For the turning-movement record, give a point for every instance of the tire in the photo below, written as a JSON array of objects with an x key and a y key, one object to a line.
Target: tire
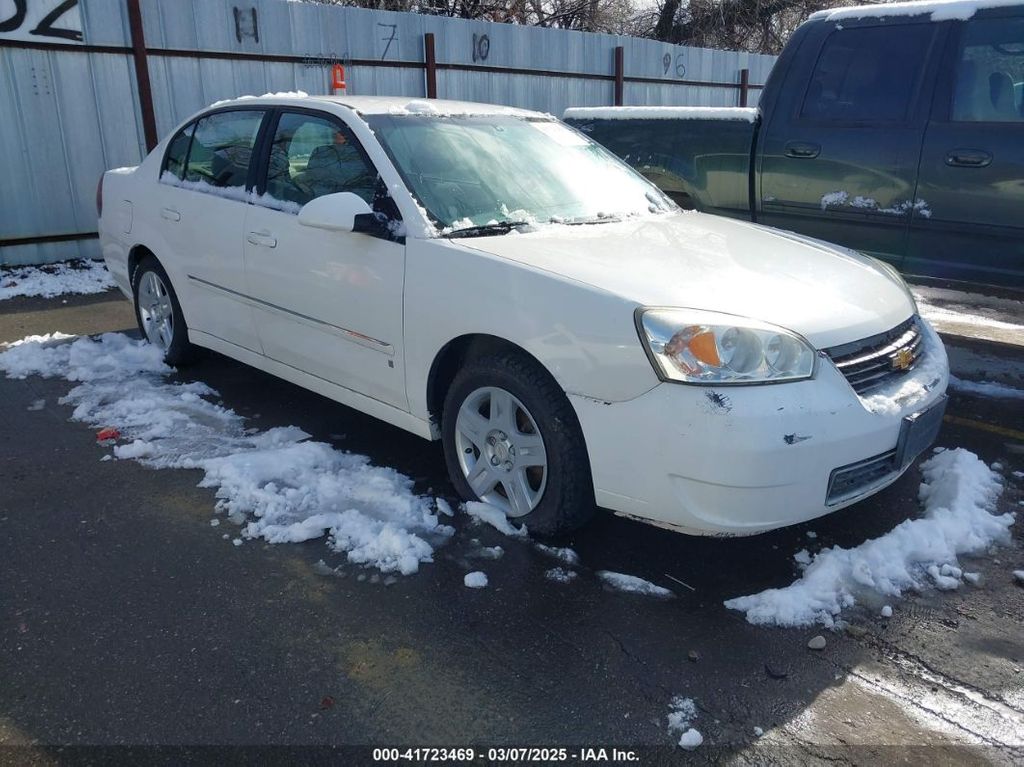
[
  {"x": 522, "y": 419},
  {"x": 158, "y": 312}
]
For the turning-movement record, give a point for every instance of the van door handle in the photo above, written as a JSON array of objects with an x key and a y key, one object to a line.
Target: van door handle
[
  {"x": 968, "y": 158},
  {"x": 262, "y": 238},
  {"x": 170, "y": 214},
  {"x": 803, "y": 150}
]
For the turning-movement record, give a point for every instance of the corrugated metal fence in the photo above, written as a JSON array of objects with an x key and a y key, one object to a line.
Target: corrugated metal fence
[{"x": 87, "y": 85}]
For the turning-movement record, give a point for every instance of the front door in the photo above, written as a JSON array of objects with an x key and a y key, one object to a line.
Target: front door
[
  {"x": 972, "y": 167},
  {"x": 839, "y": 155},
  {"x": 327, "y": 303}
]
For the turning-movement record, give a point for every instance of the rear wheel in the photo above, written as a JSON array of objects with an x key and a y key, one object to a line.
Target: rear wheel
[
  {"x": 159, "y": 314},
  {"x": 511, "y": 439}
]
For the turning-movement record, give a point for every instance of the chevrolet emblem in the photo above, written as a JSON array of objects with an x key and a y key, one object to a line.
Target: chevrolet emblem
[{"x": 903, "y": 359}]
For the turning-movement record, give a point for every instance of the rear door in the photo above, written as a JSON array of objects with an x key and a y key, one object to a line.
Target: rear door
[
  {"x": 328, "y": 303},
  {"x": 972, "y": 166},
  {"x": 840, "y": 153},
  {"x": 202, "y": 202}
]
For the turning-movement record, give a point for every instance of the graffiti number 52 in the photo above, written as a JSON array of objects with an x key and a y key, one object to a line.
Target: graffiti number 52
[{"x": 47, "y": 26}]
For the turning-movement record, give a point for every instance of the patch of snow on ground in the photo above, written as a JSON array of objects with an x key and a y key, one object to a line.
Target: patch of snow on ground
[
  {"x": 985, "y": 388},
  {"x": 567, "y": 555},
  {"x": 276, "y": 484},
  {"x": 959, "y": 492},
  {"x": 632, "y": 584},
  {"x": 475, "y": 580},
  {"x": 682, "y": 713},
  {"x": 495, "y": 517},
  {"x": 50, "y": 280},
  {"x": 560, "y": 575}
]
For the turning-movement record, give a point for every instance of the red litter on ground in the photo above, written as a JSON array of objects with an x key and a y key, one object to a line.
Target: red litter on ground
[{"x": 108, "y": 433}]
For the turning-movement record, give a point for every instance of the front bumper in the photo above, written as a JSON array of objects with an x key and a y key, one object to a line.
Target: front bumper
[{"x": 740, "y": 460}]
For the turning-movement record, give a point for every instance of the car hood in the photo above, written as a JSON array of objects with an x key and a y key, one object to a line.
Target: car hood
[{"x": 827, "y": 294}]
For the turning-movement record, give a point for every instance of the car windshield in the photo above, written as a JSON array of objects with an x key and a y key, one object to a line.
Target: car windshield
[{"x": 475, "y": 171}]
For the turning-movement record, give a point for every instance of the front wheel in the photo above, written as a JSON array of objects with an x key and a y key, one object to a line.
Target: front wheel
[
  {"x": 159, "y": 314},
  {"x": 511, "y": 439}
]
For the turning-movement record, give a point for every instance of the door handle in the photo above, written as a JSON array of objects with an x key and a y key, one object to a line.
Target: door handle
[
  {"x": 803, "y": 150},
  {"x": 968, "y": 158},
  {"x": 170, "y": 214},
  {"x": 262, "y": 238}
]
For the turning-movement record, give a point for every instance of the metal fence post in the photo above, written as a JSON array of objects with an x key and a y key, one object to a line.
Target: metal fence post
[
  {"x": 142, "y": 74},
  {"x": 620, "y": 74},
  {"x": 431, "y": 64},
  {"x": 744, "y": 86}
]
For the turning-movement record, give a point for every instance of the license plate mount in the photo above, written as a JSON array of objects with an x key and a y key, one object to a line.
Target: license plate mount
[{"x": 919, "y": 431}]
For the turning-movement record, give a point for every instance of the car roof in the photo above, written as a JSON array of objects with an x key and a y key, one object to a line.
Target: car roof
[
  {"x": 373, "y": 105},
  {"x": 937, "y": 10}
]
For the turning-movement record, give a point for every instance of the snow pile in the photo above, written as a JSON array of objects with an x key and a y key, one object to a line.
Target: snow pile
[
  {"x": 475, "y": 580},
  {"x": 248, "y": 97},
  {"x": 560, "y": 575},
  {"x": 959, "y": 491},
  {"x": 938, "y": 10},
  {"x": 495, "y": 517},
  {"x": 79, "y": 277},
  {"x": 682, "y": 712},
  {"x": 567, "y": 555},
  {"x": 928, "y": 376},
  {"x": 746, "y": 114},
  {"x": 985, "y": 388},
  {"x": 277, "y": 485},
  {"x": 632, "y": 584},
  {"x": 833, "y": 198},
  {"x": 839, "y": 198}
]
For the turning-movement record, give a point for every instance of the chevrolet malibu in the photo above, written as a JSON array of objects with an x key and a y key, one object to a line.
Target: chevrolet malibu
[{"x": 493, "y": 279}]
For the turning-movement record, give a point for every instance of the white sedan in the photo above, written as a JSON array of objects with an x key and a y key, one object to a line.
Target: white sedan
[{"x": 491, "y": 278}]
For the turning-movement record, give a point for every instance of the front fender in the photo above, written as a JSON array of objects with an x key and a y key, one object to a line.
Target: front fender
[{"x": 585, "y": 337}]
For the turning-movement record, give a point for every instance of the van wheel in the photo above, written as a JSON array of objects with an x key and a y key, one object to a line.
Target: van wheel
[
  {"x": 159, "y": 314},
  {"x": 511, "y": 439}
]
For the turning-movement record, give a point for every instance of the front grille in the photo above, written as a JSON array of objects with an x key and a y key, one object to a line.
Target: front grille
[
  {"x": 875, "y": 361},
  {"x": 856, "y": 478}
]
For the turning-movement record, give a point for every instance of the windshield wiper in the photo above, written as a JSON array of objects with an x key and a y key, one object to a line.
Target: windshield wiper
[{"x": 488, "y": 230}]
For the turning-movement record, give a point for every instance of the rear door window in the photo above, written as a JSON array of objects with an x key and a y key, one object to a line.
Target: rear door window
[
  {"x": 177, "y": 152},
  {"x": 222, "y": 148},
  {"x": 990, "y": 72},
  {"x": 868, "y": 74}
]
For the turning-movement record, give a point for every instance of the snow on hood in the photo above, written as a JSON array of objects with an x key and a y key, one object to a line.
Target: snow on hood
[{"x": 827, "y": 294}]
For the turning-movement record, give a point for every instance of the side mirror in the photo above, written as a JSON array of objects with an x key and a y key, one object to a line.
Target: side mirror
[{"x": 336, "y": 212}]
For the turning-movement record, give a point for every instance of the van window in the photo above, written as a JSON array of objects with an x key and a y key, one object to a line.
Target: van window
[
  {"x": 868, "y": 74},
  {"x": 990, "y": 72},
  {"x": 222, "y": 148}
]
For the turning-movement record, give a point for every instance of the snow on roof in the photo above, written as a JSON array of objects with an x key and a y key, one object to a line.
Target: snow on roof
[
  {"x": 939, "y": 10},
  {"x": 401, "y": 105},
  {"x": 747, "y": 114}
]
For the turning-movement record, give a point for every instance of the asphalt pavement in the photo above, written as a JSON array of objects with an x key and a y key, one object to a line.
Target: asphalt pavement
[{"x": 126, "y": 619}]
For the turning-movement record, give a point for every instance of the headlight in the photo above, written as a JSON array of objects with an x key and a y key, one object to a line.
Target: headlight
[{"x": 701, "y": 347}]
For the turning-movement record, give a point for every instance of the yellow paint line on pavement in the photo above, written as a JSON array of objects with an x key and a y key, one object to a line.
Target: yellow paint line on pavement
[{"x": 982, "y": 426}]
